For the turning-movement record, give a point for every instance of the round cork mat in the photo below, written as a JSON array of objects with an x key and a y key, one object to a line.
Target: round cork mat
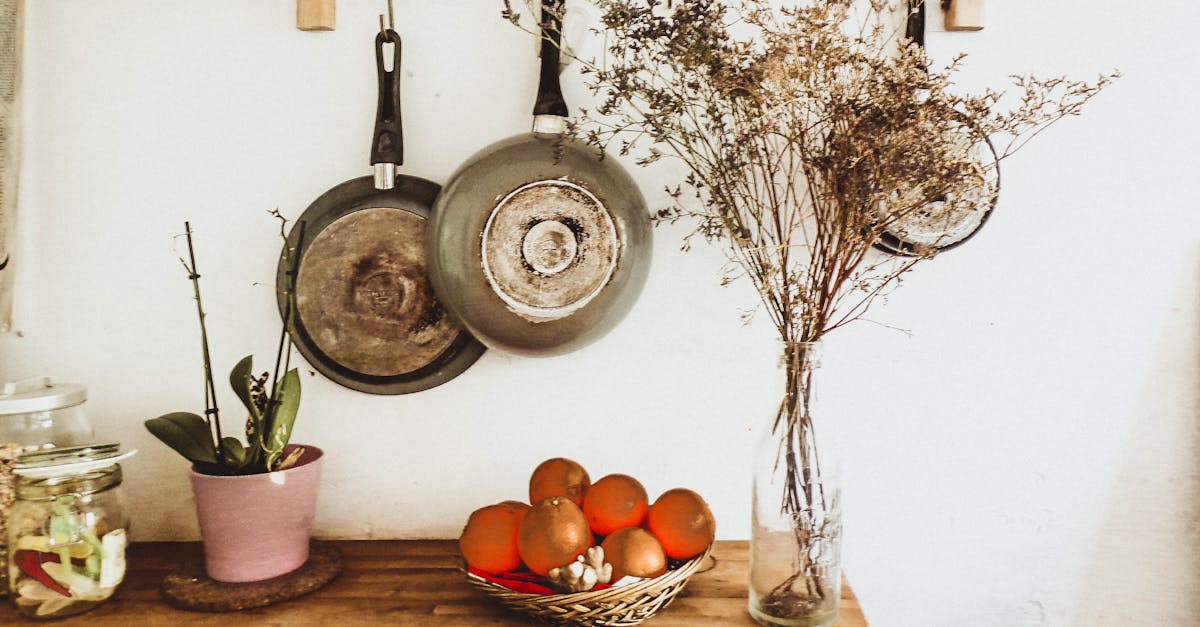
[{"x": 189, "y": 588}]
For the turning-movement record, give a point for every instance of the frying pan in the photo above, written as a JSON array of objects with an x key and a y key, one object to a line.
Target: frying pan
[
  {"x": 365, "y": 315},
  {"x": 946, "y": 222},
  {"x": 538, "y": 244}
]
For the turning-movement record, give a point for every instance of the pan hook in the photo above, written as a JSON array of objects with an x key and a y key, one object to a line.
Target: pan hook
[{"x": 391, "y": 20}]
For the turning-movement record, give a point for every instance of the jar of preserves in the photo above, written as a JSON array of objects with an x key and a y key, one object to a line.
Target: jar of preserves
[
  {"x": 67, "y": 530},
  {"x": 35, "y": 414}
]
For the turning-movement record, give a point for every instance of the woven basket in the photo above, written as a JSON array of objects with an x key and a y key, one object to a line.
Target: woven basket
[{"x": 611, "y": 607}]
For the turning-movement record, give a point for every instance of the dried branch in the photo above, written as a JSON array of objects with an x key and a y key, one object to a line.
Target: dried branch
[{"x": 809, "y": 131}]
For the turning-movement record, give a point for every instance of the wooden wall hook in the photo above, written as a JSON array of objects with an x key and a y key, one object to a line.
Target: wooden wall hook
[
  {"x": 316, "y": 14},
  {"x": 963, "y": 14}
]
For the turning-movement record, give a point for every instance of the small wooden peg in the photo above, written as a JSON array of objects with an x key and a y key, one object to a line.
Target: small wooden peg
[
  {"x": 316, "y": 14},
  {"x": 964, "y": 15}
]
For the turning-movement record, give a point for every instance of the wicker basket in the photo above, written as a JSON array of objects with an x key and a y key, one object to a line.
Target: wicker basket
[{"x": 611, "y": 607}]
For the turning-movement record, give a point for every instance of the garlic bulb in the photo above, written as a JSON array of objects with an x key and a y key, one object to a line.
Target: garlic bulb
[{"x": 583, "y": 574}]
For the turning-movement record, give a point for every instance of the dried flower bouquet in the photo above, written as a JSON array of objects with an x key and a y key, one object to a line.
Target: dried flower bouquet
[{"x": 811, "y": 130}]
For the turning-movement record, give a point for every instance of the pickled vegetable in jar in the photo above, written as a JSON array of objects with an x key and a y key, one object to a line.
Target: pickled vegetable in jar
[
  {"x": 67, "y": 531},
  {"x": 35, "y": 414}
]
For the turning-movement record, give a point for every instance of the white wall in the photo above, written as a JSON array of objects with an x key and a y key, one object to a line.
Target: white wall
[{"x": 1027, "y": 455}]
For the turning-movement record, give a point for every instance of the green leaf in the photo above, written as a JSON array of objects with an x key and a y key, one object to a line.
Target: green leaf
[
  {"x": 240, "y": 379},
  {"x": 288, "y": 403},
  {"x": 185, "y": 432},
  {"x": 234, "y": 452}
]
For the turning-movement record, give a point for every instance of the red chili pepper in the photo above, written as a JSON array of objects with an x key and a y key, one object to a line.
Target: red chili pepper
[
  {"x": 30, "y": 563},
  {"x": 517, "y": 582}
]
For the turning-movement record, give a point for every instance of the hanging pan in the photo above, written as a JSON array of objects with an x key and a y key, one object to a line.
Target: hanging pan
[
  {"x": 945, "y": 222},
  {"x": 365, "y": 314},
  {"x": 536, "y": 243}
]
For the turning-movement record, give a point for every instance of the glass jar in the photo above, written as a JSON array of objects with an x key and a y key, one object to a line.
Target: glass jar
[
  {"x": 35, "y": 414},
  {"x": 38, "y": 414},
  {"x": 796, "y": 520},
  {"x": 67, "y": 531}
]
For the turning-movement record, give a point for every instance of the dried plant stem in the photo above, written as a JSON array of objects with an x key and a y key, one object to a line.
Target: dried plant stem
[
  {"x": 804, "y": 498},
  {"x": 283, "y": 352},
  {"x": 212, "y": 414}
]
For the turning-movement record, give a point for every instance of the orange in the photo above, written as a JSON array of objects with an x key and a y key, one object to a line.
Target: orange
[
  {"x": 682, "y": 523},
  {"x": 613, "y": 502},
  {"x": 559, "y": 477},
  {"x": 553, "y": 534},
  {"x": 634, "y": 551},
  {"x": 489, "y": 539}
]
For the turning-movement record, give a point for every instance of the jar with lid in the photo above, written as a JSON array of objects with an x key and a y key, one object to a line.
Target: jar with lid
[
  {"x": 67, "y": 530},
  {"x": 35, "y": 414},
  {"x": 38, "y": 413}
]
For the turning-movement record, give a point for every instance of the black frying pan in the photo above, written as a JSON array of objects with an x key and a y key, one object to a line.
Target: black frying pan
[
  {"x": 536, "y": 243},
  {"x": 365, "y": 314},
  {"x": 944, "y": 222}
]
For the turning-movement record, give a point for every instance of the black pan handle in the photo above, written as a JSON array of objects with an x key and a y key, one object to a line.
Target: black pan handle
[
  {"x": 915, "y": 28},
  {"x": 387, "y": 145},
  {"x": 550, "y": 98}
]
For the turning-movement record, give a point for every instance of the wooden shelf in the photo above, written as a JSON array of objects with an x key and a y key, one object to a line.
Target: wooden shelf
[{"x": 407, "y": 582}]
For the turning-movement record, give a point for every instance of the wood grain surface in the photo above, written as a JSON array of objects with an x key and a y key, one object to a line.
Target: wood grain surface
[
  {"x": 407, "y": 582},
  {"x": 316, "y": 14}
]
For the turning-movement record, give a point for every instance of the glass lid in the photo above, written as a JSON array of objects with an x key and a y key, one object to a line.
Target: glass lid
[
  {"x": 34, "y": 395},
  {"x": 70, "y": 460}
]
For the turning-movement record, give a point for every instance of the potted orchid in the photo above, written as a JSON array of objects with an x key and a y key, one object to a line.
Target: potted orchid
[{"x": 254, "y": 525}]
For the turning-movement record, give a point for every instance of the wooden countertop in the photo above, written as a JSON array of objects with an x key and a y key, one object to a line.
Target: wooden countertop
[{"x": 407, "y": 582}]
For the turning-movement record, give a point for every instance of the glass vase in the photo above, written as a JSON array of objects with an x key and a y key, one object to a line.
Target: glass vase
[{"x": 796, "y": 526}]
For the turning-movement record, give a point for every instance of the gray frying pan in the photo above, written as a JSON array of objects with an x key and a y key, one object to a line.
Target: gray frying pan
[
  {"x": 365, "y": 315},
  {"x": 536, "y": 243},
  {"x": 944, "y": 222}
]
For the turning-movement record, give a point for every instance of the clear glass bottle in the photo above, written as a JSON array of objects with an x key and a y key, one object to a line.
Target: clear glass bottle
[
  {"x": 67, "y": 531},
  {"x": 35, "y": 414},
  {"x": 796, "y": 521}
]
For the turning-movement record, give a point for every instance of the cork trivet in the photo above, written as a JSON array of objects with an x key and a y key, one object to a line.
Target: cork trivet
[{"x": 189, "y": 588}]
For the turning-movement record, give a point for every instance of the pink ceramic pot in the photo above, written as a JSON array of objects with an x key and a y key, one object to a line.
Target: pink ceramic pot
[{"x": 256, "y": 527}]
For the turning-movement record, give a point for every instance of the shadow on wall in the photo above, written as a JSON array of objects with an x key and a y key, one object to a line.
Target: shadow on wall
[{"x": 1146, "y": 548}]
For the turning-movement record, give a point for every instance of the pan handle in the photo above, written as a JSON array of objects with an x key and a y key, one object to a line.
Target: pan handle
[
  {"x": 387, "y": 144},
  {"x": 549, "y": 97},
  {"x": 915, "y": 25}
]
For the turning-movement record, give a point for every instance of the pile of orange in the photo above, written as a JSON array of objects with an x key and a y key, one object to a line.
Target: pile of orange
[{"x": 567, "y": 514}]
